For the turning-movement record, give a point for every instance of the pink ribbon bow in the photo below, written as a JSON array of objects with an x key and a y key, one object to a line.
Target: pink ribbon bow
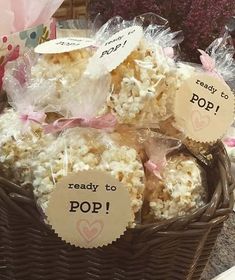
[
  {"x": 156, "y": 168},
  {"x": 208, "y": 63},
  {"x": 107, "y": 121},
  {"x": 36, "y": 117},
  {"x": 157, "y": 151}
]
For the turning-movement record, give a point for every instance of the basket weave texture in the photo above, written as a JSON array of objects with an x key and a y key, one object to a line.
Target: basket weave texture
[{"x": 172, "y": 250}]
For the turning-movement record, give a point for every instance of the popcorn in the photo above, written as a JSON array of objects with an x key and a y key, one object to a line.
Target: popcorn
[
  {"x": 43, "y": 160},
  {"x": 122, "y": 162},
  {"x": 63, "y": 70},
  {"x": 181, "y": 190},
  {"x": 17, "y": 148},
  {"x": 144, "y": 86},
  {"x": 81, "y": 149}
]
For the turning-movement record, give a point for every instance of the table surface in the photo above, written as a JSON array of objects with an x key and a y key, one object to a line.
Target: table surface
[{"x": 223, "y": 254}]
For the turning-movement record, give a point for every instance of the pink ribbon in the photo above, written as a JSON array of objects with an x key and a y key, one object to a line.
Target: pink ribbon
[
  {"x": 107, "y": 121},
  {"x": 37, "y": 117},
  {"x": 230, "y": 142},
  {"x": 156, "y": 168},
  {"x": 157, "y": 151},
  {"x": 208, "y": 63}
]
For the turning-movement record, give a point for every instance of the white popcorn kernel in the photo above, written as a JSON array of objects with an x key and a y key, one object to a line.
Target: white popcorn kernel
[{"x": 152, "y": 77}]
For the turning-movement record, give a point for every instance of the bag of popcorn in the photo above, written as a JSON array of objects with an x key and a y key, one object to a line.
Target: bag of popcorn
[
  {"x": 21, "y": 125},
  {"x": 82, "y": 141},
  {"x": 217, "y": 60},
  {"x": 58, "y": 73},
  {"x": 176, "y": 183},
  {"x": 218, "y": 65},
  {"x": 143, "y": 85},
  {"x": 63, "y": 70}
]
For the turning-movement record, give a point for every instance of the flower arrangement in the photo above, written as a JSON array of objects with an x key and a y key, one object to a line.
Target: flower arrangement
[{"x": 201, "y": 20}]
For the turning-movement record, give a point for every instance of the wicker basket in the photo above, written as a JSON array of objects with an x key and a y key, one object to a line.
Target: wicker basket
[{"x": 176, "y": 249}]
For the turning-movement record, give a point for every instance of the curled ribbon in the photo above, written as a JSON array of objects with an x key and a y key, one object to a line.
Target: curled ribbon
[
  {"x": 107, "y": 121},
  {"x": 208, "y": 63},
  {"x": 156, "y": 168}
]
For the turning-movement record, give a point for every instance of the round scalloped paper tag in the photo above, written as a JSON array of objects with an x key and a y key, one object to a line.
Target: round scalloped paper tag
[
  {"x": 63, "y": 45},
  {"x": 89, "y": 209},
  {"x": 117, "y": 48},
  {"x": 204, "y": 108}
]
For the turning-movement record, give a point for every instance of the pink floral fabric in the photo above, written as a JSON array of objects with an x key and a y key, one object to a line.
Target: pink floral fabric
[{"x": 13, "y": 45}]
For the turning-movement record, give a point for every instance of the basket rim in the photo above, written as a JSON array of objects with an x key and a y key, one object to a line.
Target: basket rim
[{"x": 214, "y": 212}]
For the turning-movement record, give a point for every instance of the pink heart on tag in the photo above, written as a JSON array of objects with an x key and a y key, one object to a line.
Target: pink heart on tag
[
  {"x": 200, "y": 121},
  {"x": 90, "y": 231}
]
